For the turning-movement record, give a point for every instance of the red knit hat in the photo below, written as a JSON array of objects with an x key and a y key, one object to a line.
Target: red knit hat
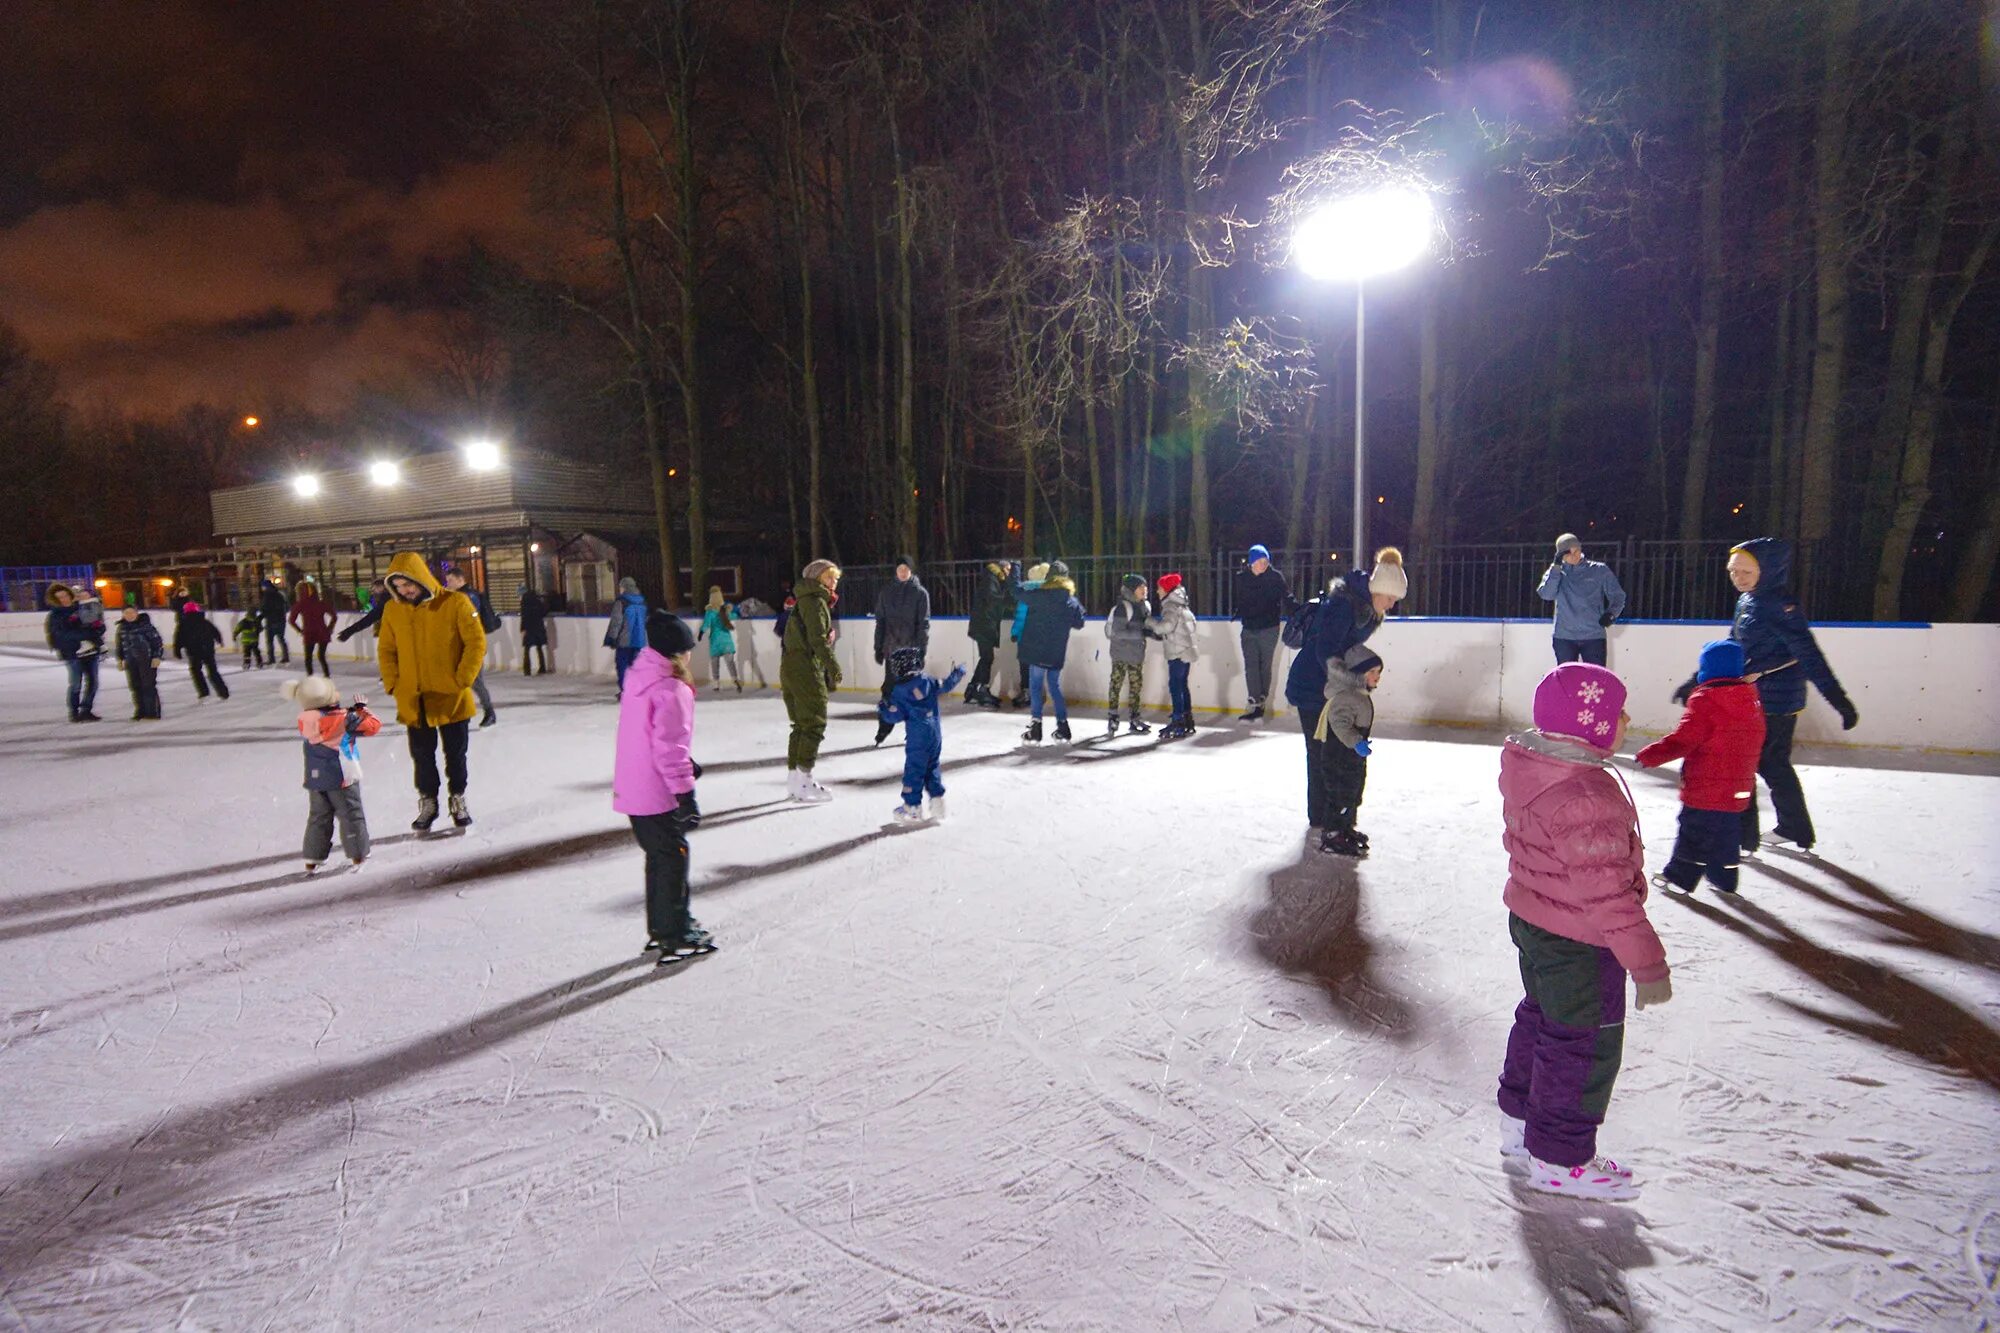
[{"x": 1167, "y": 584}]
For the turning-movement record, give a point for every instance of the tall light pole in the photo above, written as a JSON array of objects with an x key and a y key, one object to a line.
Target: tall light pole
[{"x": 1351, "y": 240}]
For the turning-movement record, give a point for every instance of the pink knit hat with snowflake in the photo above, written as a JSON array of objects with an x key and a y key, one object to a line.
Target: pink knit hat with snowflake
[{"x": 1582, "y": 702}]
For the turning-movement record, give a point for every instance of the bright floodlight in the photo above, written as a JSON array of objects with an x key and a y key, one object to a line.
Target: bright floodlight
[
  {"x": 306, "y": 484},
  {"x": 482, "y": 455},
  {"x": 384, "y": 473},
  {"x": 1365, "y": 234}
]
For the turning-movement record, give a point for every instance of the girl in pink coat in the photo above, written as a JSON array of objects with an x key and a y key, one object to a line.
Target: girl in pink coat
[
  {"x": 1576, "y": 901},
  {"x": 653, "y": 781}
]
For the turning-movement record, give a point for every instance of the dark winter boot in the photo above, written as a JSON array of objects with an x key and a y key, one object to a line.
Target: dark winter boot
[
  {"x": 427, "y": 814},
  {"x": 1255, "y": 714},
  {"x": 1062, "y": 731},
  {"x": 460, "y": 816},
  {"x": 1033, "y": 735},
  {"x": 487, "y": 721},
  {"x": 1342, "y": 842}
]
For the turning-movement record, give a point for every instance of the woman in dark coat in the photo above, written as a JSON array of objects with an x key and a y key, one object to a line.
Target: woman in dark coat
[
  {"x": 992, "y": 607},
  {"x": 534, "y": 632},
  {"x": 1348, "y": 614}
]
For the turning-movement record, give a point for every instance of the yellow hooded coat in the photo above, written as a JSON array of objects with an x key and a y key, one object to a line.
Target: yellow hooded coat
[{"x": 429, "y": 652}]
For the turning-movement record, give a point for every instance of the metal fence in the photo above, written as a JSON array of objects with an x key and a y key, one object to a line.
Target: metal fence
[
  {"x": 1663, "y": 580},
  {"x": 26, "y": 587}
]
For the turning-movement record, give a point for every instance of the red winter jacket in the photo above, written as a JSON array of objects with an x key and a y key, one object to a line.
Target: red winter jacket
[{"x": 1721, "y": 736}]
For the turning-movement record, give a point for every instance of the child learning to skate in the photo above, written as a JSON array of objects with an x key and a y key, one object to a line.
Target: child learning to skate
[
  {"x": 249, "y": 636},
  {"x": 1344, "y": 725},
  {"x": 333, "y": 768},
  {"x": 1576, "y": 901},
  {"x": 911, "y": 698},
  {"x": 1720, "y": 738},
  {"x": 140, "y": 650},
  {"x": 653, "y": 780},
  {"x": 1126, "y": 628},
  {"x": 1175, "y": 627}
]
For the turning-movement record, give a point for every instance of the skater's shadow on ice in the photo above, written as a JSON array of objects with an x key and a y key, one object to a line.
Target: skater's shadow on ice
[
  {"x": 1915, "y": 1019},
  {"x": 50, "y": 925},
  {"x": 1581, "y": 1252},
  {"x": 1901, "y": 923},
  {"x": 1310, "y": 926},
  {"x": 738, "y": 765},
  {"x": 124, "y": 1189},
  {"x": 730, "y": 876}
]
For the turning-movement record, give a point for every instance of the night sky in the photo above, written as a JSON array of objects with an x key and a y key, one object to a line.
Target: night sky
[{"x": 231, "y": 201}]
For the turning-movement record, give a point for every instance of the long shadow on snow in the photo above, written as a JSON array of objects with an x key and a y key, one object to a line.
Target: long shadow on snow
[
  {"x": 1916, "y": 1019},
  {"x": 730, "y": 876},
  {"x": 1581, "y": 1252},
  {"x": 1901, "y": 923},
  {"x": 54, "y": 1216},
  {"x": 1310, "y": 926}
]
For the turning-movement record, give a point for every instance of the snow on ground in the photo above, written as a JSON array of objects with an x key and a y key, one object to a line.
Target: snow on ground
[{"x": 1109, "y": 1050}]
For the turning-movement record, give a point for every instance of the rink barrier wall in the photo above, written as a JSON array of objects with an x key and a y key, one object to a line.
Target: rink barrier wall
[{"x": 1917, "y": 686}]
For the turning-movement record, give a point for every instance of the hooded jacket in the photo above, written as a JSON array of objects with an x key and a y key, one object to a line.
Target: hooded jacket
[
  {"x": 992, "y": 607},
  {"x": 1349, "y": 714},
  {"x": 1263, "y": 600},
  {"x": 1174, "y": 626},
  {"x": 810, "y": 665},
  {"x": 313, "y": 618},
  {"x": 273, "y": 603},
  {"x": 1052, "y": 614},
  {"x": 1721, "y": 736},
  {"x": 628, "y": 622},
  {"x": 655, "y": 732},
  {"x": 1126, "y": 628},
  {"x": 902, "y": 616},
  {"x": 196, "y": 636},
  {"x": 1575, "y": 865},
  {"x": 534, "y": 620},
  {"x": 1345, "y": 617},
  {"x": 1774, "y": 632},
  {"x": 138, "y": 643},
  {"x": 430, "y": 652},
  {"x": 1583, "y": 593},
  {"x": 250, "y": 628},
  {"x": 326, "y": 732}
]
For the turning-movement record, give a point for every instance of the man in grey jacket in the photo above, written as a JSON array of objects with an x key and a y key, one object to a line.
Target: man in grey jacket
[
  {"x": 902, "y": 615},
  {"x": 1587, "y": 598}
]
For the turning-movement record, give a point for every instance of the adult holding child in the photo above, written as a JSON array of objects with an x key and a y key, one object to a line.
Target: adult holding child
[
  {"x": 1322, "y": 631},
  {"x": 1587, "y": 599}
]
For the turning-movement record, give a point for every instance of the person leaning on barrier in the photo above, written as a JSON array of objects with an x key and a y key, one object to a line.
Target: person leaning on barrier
[{"x": 1587, "y": 599}]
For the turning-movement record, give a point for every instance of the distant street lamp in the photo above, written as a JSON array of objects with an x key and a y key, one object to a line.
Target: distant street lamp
[
  {"x": 250, "y": 423},
  {"x": 306, "y": 485},
  {"x": 1351, "y": 240},
  {"x": 384, "y": 473},
  {"x": 482, "y": 455}
]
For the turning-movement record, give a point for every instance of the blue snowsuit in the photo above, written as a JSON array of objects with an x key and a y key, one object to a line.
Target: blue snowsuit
[{"x": 914, "y": 703}]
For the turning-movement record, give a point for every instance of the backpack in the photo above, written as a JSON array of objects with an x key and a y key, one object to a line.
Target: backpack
[
  {"x": 1300, "y": 627},
  {"x": 784, "y": 617},
  {"x": 489, "y": 619}
]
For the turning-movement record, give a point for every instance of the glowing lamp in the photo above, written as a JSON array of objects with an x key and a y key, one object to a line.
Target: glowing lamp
[
  {"x": 482, "y": 455},
  {"x": 1365, "y": 235},
  {"x": 250, "y": 423},
  {"x": 305, "y": 485},
  {"x": 384, "y": 473}
]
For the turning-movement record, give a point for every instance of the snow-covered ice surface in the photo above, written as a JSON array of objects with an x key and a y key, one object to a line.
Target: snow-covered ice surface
[{"x": 1108, "y": 1050}]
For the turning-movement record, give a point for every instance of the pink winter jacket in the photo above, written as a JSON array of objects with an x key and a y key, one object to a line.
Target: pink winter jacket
[
  {"x": 655, "y": 729},
  {"x": 1575, "y": 865}
]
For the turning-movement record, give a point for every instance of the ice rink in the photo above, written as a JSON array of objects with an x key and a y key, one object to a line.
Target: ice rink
[{"x": 1111, "y": 1049}]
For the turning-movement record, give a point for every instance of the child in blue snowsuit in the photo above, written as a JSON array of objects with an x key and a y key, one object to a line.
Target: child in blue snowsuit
[{"x": 911, "y": 698}]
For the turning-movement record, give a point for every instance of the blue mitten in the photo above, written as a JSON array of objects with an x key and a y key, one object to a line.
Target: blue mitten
[{"x": 1363, "y": 749}]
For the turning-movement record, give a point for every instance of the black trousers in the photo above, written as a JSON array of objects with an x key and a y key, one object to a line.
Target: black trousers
[
  {"x": 320, "y": 648},
  {"x": 1316, "y": 805},
  {"x": 200, "y": 664},
  {"x": 423, "y": 754},
  {"x": 540, "y": 651},
  {"x": 1346, "y": 778},
  {"x": 1788, "y": 797},
  {"x": 666, "y": 874},
  {"x": 142, "y": 678},
  {"x": 1705, "y": 845},
  {"x": 479, "y": 692},
  {"x": 982, "y": 672},
  {"x": 275, "y": 641},
  {"x": 1593, "y": 651}
]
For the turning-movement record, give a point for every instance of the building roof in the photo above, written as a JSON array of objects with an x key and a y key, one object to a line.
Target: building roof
[{"x": 437, "y": 491}]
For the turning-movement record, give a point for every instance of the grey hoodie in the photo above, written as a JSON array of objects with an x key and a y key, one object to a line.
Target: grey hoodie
[
  {"x": 1126, "y": 628},
  {"x": 1350, "y": 705},
  {"x": 1175, "y": 625}
]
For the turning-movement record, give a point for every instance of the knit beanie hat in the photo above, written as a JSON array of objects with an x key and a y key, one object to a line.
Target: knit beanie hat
[
  {"x": 628, "y": 584},
  {"x": 1360, "y": 659},
  {"x": 311, "y": 692},
  {"x": 906, "y": 662},
  {"x": 1058, "y": 570},
  {"x": 1720, "y": 660},
  {"x": 1388, "y": 576},
  {"x": 1132, "y": 583},
  {"x": 1567, "y": 542},
  {"x": 1036, "y": 573},
  {"x": 1258, "y": 553},
  {"x": 1582, "y": 702},
  {"x": 667, "y": 634},
  {"x": 819, "y": 567},
  {"x": 909, "y": 560},
  {"x": 1167, "y": 584},
  {"x": 191, "y": 609}
]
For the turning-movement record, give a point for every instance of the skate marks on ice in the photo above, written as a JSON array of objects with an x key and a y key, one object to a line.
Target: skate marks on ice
[
  {"x": 87, "y": 1229},
  {"x": 1310, "y": 927},
  {"x": 1912, "y": 1017}
]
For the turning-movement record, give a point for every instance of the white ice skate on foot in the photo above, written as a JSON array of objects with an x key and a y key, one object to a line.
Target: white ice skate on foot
[
  {"x": 937, "y": 809},
  {"x": 1600, "y": 1178},
  {"x": 908, "y": 814},
  {"x": 1513, "y": 1137},
  {"x": 312, "y": 867},
  {"x": 809, "y": 792}
]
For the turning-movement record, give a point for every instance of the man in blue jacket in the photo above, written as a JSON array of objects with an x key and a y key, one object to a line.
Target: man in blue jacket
[
  {"x": 1587, "y": 598},
  {"x": 1780, "y": 655}
]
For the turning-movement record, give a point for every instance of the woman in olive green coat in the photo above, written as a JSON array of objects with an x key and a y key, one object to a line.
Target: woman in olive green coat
[{"x": 809, "y": 675}]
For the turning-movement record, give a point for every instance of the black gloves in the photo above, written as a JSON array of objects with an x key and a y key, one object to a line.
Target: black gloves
[
  {"x": 1686, "y": 689},
  {"x": 882, "y": 730},
  {"x": 1845, "y": 707},
  {"x": 686, "y": 814},
  {"x": 1606, "y": 619},
  {"x": 696, "y": 767}
]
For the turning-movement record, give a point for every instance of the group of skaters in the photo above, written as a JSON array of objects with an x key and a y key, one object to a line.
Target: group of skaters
[{"x": 1576, "y": 885}]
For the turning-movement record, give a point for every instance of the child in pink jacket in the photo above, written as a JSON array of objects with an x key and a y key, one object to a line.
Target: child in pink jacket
[
  {"x": 1576, "y": 895},
  {"x": 653, "y": 781}
]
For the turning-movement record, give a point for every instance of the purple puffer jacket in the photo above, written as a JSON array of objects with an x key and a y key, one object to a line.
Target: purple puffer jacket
[
  {"x": 655, "y": 729},
  {"x": 1575, "y": 865}
]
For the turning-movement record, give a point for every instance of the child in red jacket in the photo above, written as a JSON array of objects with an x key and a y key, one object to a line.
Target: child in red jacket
[{"x": 1720, "y": 736}]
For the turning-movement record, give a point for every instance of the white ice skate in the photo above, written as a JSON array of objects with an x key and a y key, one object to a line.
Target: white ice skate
[
  {"x": 808, "y": 792},
  {"x": 1513, "y": 1137},
  {"x": 937, "y": 808},
  {"x": 1599, "y": 1178},
  {"x": 908, "y": 814}
]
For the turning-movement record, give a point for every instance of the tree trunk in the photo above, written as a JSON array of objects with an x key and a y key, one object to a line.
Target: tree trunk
[
  {"x": 1708, "y": 321},
  {"x": 906, "y": 368},
  {"x": 1821, "y": 444},
  {"x": 1913, "y": 489},
  {"x": 692, "y": 404},
  {"x": 1090, "y": 446},
  {"x": 1982, "y": 549},
  {"x": 1432, "y": 421}
]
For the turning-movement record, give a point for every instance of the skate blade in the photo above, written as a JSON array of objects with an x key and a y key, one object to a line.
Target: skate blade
[{"x": 669, "y": 958}]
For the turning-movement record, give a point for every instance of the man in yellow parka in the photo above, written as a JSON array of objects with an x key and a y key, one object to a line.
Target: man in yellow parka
[{"x": 430, "y": 648}]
